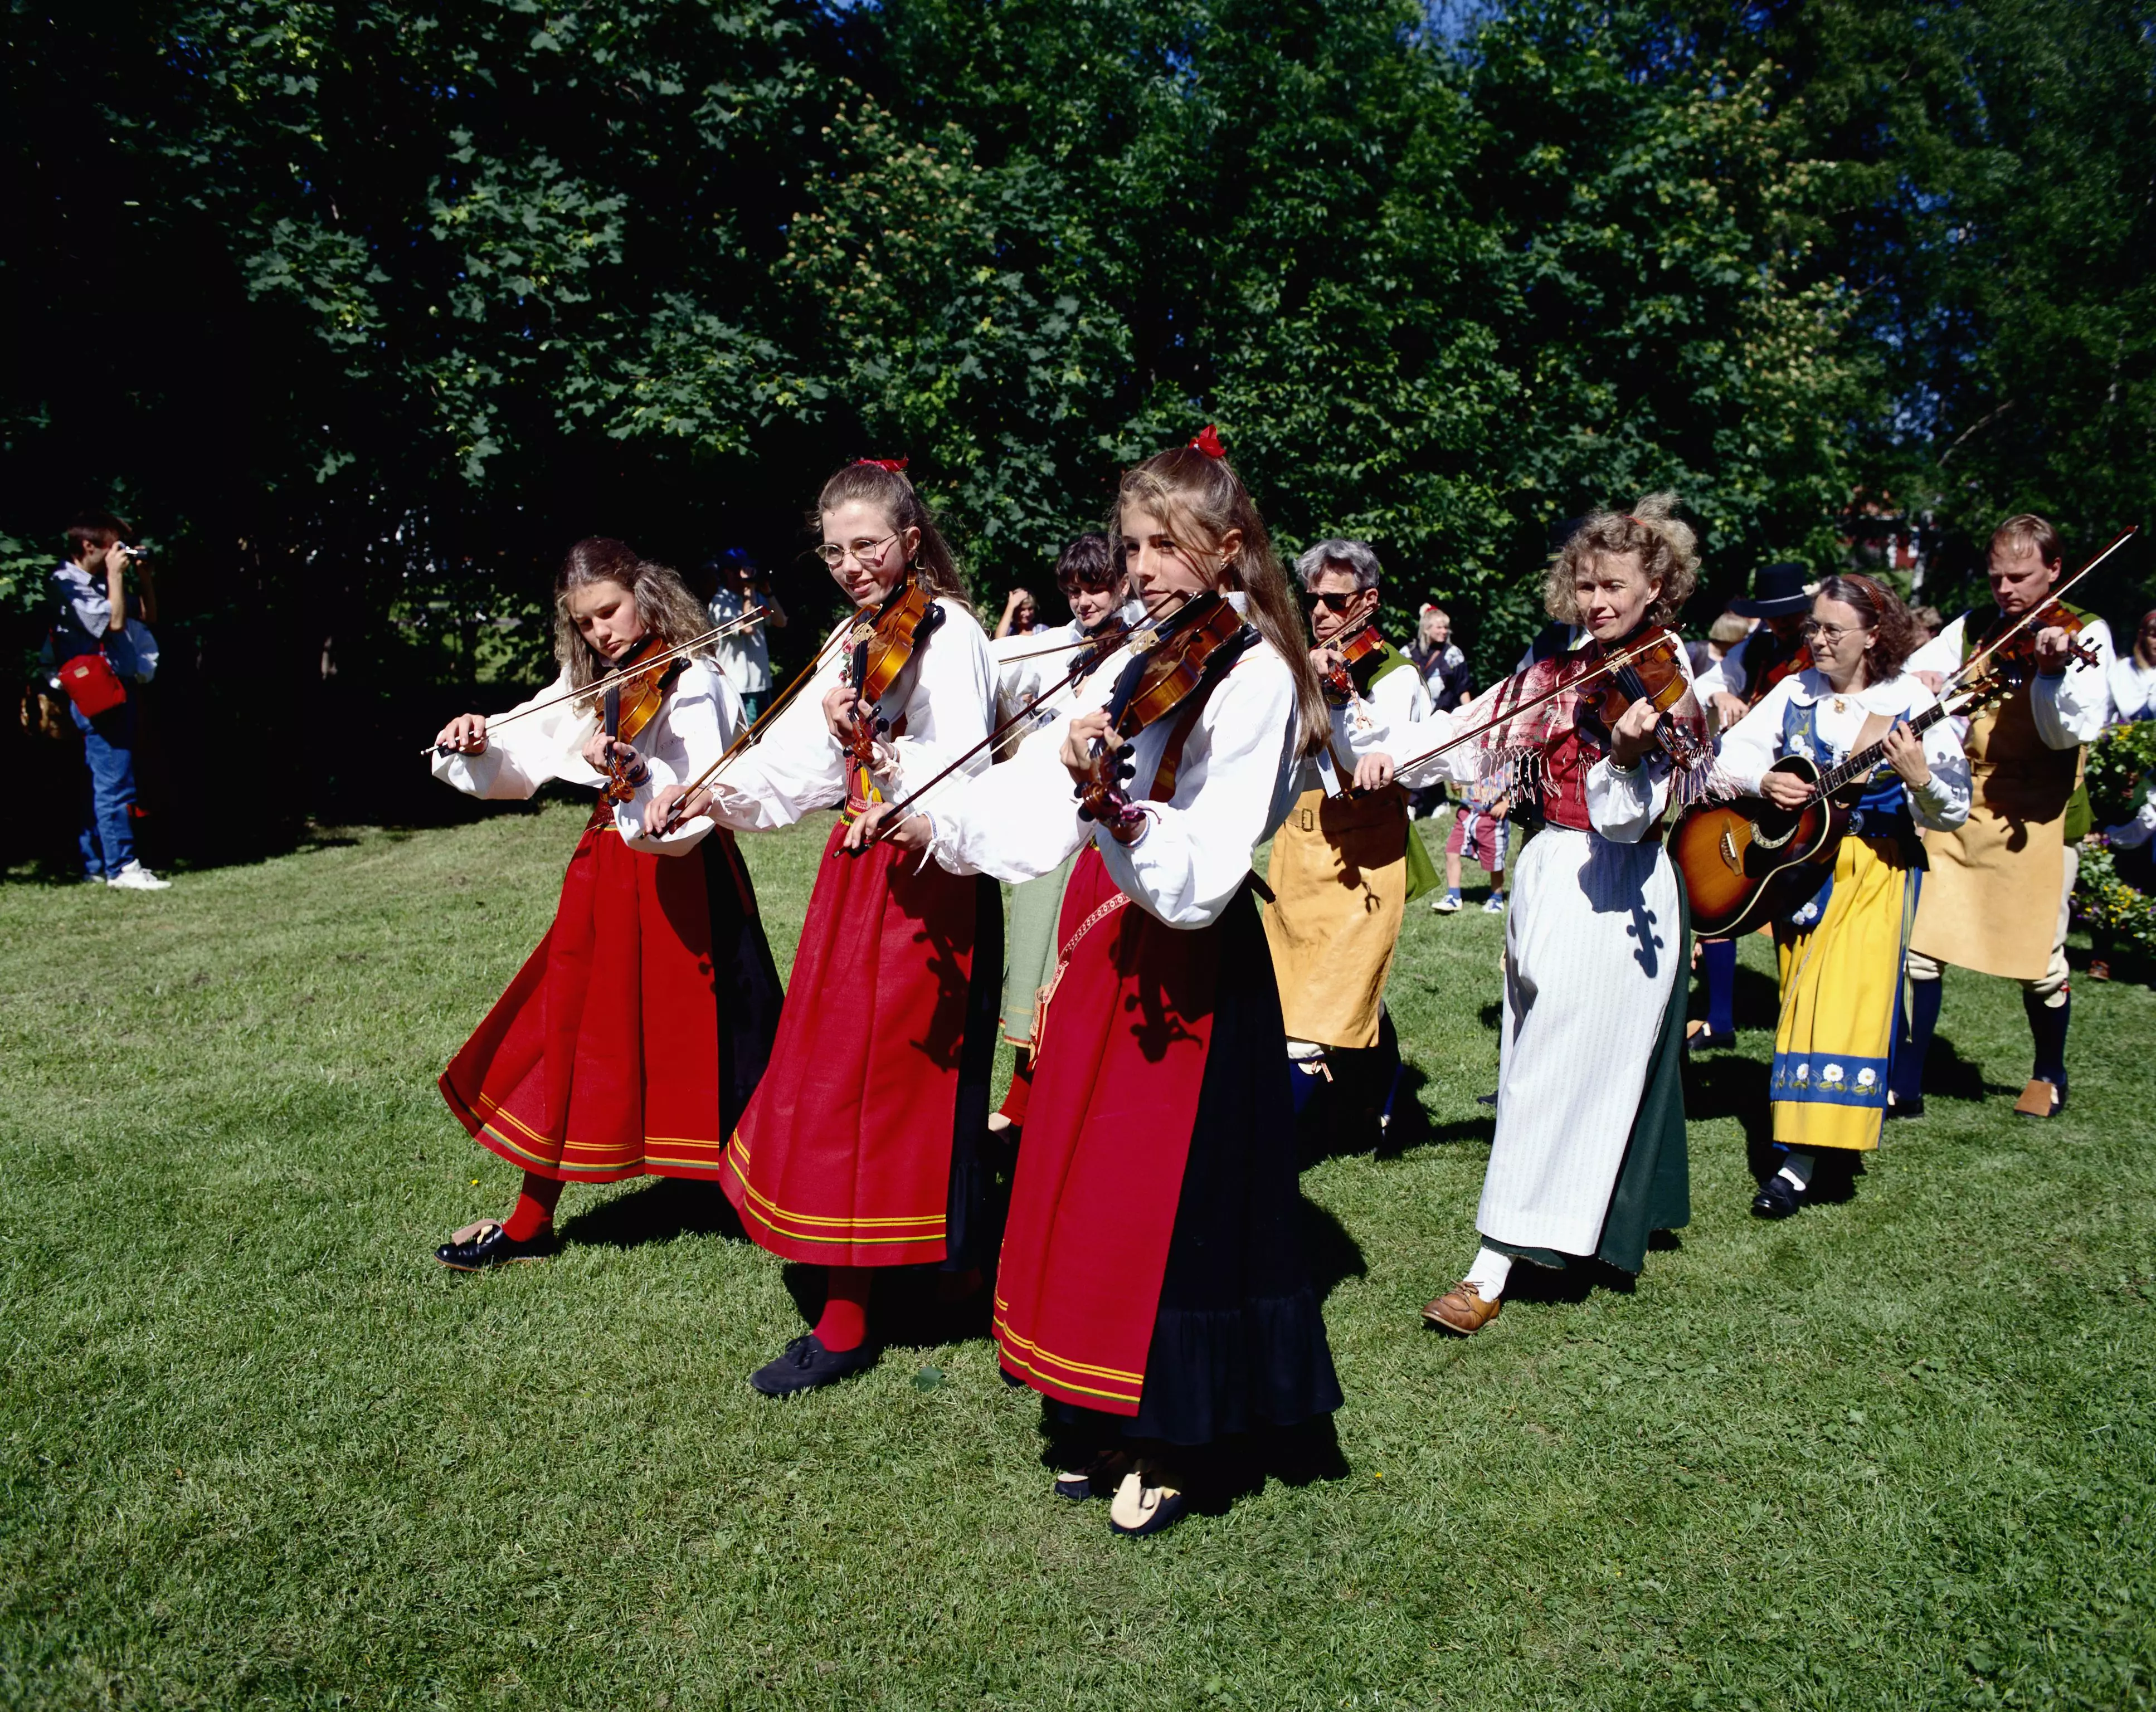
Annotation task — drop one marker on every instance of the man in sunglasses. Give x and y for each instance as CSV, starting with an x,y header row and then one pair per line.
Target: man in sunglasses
x,y
1346,862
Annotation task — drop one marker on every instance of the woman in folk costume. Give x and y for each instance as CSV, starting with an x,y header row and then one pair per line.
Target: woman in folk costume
x,y
632,1038
1588,1158
1841,952
1153,1286
1090,575
863,1147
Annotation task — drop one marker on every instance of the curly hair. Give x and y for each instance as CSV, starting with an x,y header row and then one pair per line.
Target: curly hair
x,y
662,601
890,492
1668,551
1201,499
1894,635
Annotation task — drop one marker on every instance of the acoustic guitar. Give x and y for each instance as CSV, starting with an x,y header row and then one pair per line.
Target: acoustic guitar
x,y
1746,861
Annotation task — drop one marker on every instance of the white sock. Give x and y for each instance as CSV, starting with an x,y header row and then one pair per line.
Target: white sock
x,y
1487,1275
1797,1169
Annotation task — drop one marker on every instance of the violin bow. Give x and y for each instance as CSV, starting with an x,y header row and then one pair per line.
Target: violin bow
x,y
2026,618
889,824
1613,662
753,734
599,686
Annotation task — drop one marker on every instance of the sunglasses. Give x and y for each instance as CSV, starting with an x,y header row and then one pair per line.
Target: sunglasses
x,y
1332,602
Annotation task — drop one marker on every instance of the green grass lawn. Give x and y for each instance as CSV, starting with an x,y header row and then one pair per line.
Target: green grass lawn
x,y
259,1450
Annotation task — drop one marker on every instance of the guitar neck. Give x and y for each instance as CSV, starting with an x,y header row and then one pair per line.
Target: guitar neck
x,y
1860,765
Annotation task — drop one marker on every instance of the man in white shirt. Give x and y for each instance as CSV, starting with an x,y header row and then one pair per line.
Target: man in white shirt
x,y
1998,895
1344,864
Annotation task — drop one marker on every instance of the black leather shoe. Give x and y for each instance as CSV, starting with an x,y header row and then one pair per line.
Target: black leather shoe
x,y
1096,1478
1778,1198
477,1247
806,1364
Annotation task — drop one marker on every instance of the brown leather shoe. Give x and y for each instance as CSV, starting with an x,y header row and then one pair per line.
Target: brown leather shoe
x,y
1461,1310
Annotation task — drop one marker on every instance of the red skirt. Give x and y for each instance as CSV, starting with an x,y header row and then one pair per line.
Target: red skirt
x,y
859,1149
632,1038
1153,1265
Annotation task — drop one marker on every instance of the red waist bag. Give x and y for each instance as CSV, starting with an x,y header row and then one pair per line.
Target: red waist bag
x,y
91,684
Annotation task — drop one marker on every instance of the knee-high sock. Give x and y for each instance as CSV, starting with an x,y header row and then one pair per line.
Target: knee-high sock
x,y
2048,1024
1718,960
846,1320
1487,1276
534,1208
1908,1080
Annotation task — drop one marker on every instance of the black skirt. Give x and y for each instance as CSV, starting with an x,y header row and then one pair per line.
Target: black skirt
x,y
1239,1340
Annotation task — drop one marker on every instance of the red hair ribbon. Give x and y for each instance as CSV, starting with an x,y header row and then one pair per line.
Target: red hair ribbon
x,y
896,466
1208,441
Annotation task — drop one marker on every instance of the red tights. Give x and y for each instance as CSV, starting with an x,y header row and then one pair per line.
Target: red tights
x,y
846,1320
534,1208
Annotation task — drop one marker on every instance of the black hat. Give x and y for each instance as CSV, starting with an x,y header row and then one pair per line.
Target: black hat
x,y
1777,590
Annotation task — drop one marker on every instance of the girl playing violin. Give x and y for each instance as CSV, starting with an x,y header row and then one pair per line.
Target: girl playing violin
x,y
1151,1285
1588,1158
1842,951
864,1145
633,1037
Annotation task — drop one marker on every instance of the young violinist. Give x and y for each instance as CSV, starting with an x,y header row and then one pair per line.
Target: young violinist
x,y
2001,883
1840,952
864,1147
1089,573
1346,862
1588,1157
1151,1285
633,1037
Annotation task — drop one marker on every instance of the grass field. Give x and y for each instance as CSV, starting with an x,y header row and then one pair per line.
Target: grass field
x,y
259,1450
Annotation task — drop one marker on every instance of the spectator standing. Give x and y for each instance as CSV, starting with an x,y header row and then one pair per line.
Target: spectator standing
x,y
1479,828
744,659
98,645
1437,658
2134,676
1729,630
1021,615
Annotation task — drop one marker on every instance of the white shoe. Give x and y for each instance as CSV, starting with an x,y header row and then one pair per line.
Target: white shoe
x,y
1494,905
135,877
1445,904
1145,1503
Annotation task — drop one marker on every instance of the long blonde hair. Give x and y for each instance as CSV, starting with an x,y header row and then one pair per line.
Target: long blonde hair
x,y
662,601
1203,500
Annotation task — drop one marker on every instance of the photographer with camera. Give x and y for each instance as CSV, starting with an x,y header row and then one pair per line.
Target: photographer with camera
x,y
97,645
744,657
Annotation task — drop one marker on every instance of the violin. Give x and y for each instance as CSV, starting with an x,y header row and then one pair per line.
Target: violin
x,y
628,704
1654,673
1174,660
2017,651
1338,679
882,645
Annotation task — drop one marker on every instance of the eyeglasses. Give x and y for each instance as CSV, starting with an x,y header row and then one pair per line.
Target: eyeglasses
x,y
1831,633
1332,602
833,555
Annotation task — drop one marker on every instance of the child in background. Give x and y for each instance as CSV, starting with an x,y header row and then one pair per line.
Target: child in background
x,y
1479,825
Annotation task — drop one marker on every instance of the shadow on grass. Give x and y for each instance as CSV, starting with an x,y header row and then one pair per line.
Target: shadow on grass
x,y
1342,1123
657,1211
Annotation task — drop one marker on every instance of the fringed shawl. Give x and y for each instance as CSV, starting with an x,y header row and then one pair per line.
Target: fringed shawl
x,y
1547,750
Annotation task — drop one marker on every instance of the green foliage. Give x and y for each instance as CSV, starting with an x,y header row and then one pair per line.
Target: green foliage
x,y
2118,767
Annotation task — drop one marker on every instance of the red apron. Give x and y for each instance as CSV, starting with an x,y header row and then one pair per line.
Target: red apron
x,y
844,1155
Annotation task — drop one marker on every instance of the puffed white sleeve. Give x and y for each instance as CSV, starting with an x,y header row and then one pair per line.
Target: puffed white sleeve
x,y
522,756
1189,861
1748,749
2070,709
1942,653
1015,822
703,714
1462,765
948,707
2133,835
1942,804
796,765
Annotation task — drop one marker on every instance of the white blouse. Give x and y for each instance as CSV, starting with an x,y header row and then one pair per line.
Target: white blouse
x,y
945,696
1756,742
1232,787
699,716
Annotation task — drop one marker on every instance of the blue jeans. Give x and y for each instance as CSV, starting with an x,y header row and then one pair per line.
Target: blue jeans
x,y
108,833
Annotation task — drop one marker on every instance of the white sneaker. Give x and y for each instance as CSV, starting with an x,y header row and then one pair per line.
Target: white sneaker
x,y
1494,905
135,877
1446,903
